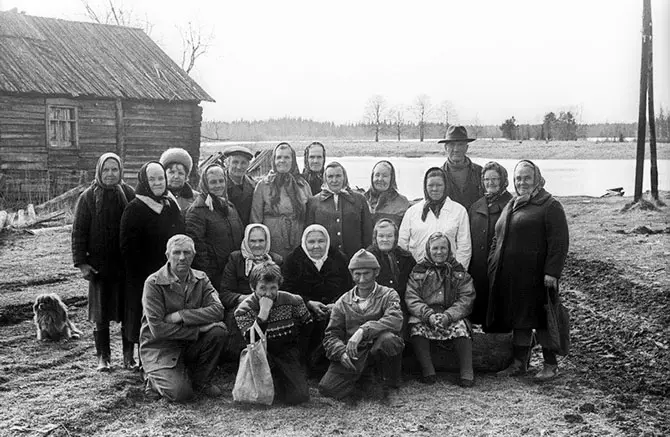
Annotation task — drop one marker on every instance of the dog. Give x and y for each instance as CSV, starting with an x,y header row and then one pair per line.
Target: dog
x,y
51,319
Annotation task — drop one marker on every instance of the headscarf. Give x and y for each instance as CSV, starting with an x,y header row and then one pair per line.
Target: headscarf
x,y
290,180
444,269
143,191
378,199
502,173
212,201
430,204
520,200
318,262
390,255
327,192
309,175
250,260
99,186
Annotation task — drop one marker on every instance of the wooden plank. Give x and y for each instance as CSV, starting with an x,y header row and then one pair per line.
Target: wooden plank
x,y
25,142
23,157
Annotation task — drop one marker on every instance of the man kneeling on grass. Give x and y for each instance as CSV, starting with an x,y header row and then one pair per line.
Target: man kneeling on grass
x,y
287,324
182,331
363,333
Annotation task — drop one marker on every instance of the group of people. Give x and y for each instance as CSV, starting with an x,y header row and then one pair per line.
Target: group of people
x,y
338,280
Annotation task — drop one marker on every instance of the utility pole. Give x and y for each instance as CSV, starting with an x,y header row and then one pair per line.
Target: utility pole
x,y
652,117
641,121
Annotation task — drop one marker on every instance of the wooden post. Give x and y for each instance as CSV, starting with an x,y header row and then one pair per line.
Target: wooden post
x,y
641,122
652,117
120,131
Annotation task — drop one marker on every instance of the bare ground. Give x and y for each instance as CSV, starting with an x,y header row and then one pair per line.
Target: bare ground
x,y
615,382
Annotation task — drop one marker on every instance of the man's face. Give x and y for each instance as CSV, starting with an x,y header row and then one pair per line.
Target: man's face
x,y
238,165
180,257
315,158
364,278
456,150
267,289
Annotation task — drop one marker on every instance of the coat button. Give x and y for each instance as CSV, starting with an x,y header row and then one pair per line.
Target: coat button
x,y
338,220
339,233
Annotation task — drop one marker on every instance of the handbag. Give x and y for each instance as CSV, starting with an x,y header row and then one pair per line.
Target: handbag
x,y
558,324
253,383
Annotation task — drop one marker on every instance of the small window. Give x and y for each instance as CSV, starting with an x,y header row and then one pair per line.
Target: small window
x,y
62,126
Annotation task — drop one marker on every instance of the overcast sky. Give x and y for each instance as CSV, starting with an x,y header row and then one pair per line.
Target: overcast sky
x,y
491,59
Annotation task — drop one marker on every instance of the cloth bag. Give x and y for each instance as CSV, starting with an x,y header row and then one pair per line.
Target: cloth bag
x,y
558,324
253,383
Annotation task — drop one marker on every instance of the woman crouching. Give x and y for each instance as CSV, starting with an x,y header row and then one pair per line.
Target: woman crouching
x,y
286,322
439,297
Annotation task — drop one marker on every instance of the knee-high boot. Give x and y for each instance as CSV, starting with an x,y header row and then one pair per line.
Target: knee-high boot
x,y
128,352
102,349
421,347
463,347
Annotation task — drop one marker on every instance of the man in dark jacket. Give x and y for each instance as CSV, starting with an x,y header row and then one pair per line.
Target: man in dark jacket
x,y
464,177
239,186
182,330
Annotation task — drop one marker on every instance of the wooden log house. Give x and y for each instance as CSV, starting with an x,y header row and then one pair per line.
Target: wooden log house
x,y
71,91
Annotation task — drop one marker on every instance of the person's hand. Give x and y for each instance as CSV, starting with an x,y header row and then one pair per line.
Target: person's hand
x,y
433,320
352,345
87,271
446,321
173,318
330,307
317,308
550,282
265,304
346,362
208,326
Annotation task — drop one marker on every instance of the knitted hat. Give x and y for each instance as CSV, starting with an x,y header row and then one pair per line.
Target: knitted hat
x,y
177,155
363,260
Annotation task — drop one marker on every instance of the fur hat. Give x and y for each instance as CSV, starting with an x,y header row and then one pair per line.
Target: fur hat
x,y
179,156
363,260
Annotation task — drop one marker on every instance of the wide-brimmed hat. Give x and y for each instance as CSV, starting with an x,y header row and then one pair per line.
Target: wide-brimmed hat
x,y
456,133
238,150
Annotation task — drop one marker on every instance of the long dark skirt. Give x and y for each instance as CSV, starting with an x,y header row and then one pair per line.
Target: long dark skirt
x,y
105,300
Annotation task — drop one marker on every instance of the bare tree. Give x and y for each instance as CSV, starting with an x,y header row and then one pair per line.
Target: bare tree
x,y
374,114
114,12
476,126
194,43
447,115
422,109
398,120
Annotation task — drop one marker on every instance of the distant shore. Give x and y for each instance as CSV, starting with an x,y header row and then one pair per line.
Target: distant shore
x,y
493,149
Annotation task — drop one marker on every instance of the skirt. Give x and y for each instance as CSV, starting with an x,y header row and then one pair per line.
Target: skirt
x,y
105,300
454,330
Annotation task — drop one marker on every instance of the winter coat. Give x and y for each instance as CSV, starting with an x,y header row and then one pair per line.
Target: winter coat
x,y
429,292
530,242
241,196
394,278
144,236
483,218
215,237
349,225
473,187
185,197
394,209
285,225
234,283
453,222
326,285
162,343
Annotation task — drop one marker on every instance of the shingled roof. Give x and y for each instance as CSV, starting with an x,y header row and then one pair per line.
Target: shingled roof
x,y
48,56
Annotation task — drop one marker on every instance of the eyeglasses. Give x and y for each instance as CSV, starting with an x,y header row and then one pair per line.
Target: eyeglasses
x,y
491,179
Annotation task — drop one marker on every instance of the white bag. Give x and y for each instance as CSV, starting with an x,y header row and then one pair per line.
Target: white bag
x,y
253,383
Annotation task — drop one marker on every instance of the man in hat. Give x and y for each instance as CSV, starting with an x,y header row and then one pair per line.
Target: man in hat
x,y
363,332
240,187
315,159
464,177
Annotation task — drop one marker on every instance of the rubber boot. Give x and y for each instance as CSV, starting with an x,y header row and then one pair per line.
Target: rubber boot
x,y
463,348
520,364
390,369
128,352
102,350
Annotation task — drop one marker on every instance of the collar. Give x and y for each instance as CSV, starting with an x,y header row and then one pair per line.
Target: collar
x,y
165,277
356,298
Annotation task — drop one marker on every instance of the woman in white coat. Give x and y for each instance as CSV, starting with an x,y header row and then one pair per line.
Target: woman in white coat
x,y
436,213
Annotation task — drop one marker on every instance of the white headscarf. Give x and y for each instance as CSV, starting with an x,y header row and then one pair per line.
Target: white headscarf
x,y
249,258
318,262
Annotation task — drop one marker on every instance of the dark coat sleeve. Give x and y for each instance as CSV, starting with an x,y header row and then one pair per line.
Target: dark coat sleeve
x,y
196,228
229,293
131,237
81,228
366,222
558,240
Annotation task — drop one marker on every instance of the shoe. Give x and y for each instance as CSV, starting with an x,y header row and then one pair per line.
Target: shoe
x,y
211,390
429,380
129,362
515,369
548,372
150,393
466,383
104,364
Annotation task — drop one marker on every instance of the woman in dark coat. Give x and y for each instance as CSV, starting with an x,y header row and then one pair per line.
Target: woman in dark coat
x,y
395,263
484,215
319,273
528,255
383,196
95,251
343,212
213,223
147,224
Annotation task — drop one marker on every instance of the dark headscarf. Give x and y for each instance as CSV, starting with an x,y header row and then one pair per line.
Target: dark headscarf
x,y
520,200
99,187
448,265
430,204
143,187
378,199
290,180
313,177
504,182
214,202
390,255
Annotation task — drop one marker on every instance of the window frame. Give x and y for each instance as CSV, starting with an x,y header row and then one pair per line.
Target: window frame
x,y
66,104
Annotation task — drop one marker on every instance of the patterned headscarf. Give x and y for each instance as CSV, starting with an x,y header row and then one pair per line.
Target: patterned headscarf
x,y
504,182
99,186
444,268
212,201
318,262
250,260
430,204
520,200
290,180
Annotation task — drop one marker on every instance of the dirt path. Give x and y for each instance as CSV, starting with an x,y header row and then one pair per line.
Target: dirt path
x,y
616,381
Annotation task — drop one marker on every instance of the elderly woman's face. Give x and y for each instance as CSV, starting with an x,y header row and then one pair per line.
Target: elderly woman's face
x,y
385,238
381,177
435,187
524,180
315,158
439,250
316,244
283,160
111,173
492,182
216,181
156,178
176,174
257,241
335,179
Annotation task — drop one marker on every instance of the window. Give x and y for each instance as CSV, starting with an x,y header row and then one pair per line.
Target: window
x,y
62,126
